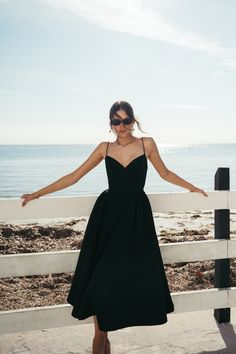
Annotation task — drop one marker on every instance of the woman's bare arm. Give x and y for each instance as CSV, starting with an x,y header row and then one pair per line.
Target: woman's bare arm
x,y
92,161
164,172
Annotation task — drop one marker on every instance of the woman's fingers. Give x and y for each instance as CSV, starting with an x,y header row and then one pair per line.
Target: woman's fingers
x,y
204,193
26,198
195,189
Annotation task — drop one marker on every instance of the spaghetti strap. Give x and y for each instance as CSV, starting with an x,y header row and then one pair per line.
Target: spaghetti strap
x,y
107,147
143,146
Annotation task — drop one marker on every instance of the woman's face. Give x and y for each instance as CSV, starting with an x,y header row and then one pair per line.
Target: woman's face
x,y
122,130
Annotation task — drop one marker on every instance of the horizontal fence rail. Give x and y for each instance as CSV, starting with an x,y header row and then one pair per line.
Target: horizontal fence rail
x,y
60,315
39,263
62,207
65,261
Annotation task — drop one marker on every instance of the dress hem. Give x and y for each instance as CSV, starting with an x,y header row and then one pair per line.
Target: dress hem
x,y
128,324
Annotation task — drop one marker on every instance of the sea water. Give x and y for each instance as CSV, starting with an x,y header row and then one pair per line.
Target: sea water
x,y
27,168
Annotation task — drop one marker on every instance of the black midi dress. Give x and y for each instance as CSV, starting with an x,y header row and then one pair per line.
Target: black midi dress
x,y
120,276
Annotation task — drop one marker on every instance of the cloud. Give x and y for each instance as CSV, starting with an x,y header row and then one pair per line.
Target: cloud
x,y
134,17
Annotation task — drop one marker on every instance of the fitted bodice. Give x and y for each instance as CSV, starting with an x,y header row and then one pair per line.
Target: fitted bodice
x,y
130,178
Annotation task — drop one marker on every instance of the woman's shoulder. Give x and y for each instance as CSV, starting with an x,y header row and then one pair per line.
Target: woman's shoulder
x,y
149,144
102,147
148,140
102,144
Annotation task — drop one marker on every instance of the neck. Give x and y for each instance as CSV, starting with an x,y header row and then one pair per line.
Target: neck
x,y
125,141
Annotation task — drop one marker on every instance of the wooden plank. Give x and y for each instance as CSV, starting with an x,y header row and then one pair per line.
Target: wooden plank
x,y
46,207
194,251
185,201
60,315
231,200
38,263
65,261
62,207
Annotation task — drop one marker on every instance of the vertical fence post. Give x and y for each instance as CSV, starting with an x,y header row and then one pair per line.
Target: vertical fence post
x,y
222,231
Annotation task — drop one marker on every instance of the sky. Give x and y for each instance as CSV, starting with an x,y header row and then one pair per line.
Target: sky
x,y
63,64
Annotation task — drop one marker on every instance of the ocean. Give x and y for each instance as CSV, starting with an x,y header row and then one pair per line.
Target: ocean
x,y
27,168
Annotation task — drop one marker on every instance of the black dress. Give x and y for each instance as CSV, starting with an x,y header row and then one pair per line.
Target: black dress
x,y
119,276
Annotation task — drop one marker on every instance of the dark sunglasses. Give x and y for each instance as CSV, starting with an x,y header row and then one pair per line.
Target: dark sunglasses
x,y
126,121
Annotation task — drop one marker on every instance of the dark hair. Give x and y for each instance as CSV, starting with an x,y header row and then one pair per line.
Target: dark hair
x,y
127,108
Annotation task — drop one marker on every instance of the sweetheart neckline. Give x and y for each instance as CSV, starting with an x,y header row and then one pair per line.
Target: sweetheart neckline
x,y
124,167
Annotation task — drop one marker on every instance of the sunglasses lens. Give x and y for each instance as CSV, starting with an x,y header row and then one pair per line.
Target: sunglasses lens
x,y
125,121
115,122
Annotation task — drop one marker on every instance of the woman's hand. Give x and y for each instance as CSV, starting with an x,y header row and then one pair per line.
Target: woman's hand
x,y
195,189
27,197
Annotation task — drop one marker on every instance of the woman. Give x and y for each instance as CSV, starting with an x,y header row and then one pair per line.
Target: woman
x,y
119,277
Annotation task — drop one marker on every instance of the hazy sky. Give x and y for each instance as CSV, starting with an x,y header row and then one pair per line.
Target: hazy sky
x,y
63,63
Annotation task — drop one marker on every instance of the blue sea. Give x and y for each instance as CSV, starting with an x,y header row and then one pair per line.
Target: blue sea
x,y
27,168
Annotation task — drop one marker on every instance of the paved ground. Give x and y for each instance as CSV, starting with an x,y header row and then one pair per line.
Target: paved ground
x,y
184,333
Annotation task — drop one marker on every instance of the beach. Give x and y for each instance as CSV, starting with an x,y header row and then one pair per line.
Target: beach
x,y
67,234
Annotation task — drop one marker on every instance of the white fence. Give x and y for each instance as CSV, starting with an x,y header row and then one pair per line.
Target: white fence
x,y
65,261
